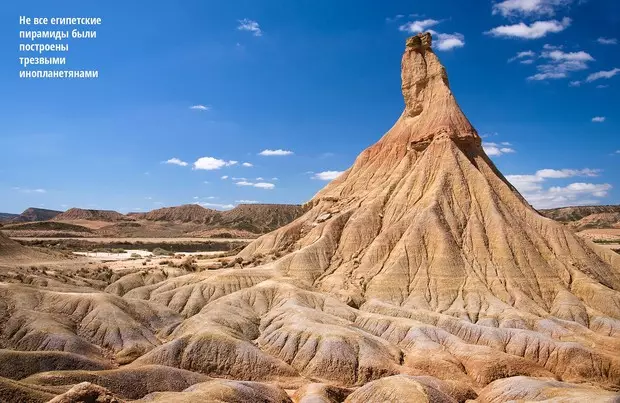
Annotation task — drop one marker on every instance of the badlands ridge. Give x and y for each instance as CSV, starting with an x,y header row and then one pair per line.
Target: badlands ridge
x,y
419,275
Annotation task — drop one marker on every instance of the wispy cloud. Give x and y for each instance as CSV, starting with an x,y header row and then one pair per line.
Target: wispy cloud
x,y
414,27
532,188
607,41
260,185
449,41
175,161
210,163
26,190
497,149
247,201
250,26
560,64
523,55
278,152
327,175
603,74
247,164
598,119
535,30
224,177
200,107
395,18
509,8
215,205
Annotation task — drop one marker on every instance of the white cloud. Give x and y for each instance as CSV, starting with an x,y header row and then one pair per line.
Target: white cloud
x,y
327,175
278,152
574,84
200,108
210,163
260,185
215,205
536,30
523,55
395,18
247,164
23,190
567,173
224,177
264,185
414,27
607,41
558,55
598,119
560,64
509,8
238,179
602,86
260,178
250,26
450,41
546,76
247,201
495,149
274,179
176,161
603,74
579,193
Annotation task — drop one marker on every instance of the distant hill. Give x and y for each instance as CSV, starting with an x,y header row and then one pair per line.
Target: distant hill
x,y
181,214
33,214
243,221
4,217
259,218
91,215
253,218
586,217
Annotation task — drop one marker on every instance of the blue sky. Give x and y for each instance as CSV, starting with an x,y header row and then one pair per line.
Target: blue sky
x,y
316,81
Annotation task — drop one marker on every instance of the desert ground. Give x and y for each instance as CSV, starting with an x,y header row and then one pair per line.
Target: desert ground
x,y
418,275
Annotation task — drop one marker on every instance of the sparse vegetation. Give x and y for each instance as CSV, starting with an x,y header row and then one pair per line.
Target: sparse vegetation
x,y
161,252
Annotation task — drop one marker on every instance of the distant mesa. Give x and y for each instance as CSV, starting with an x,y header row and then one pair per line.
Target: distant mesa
x,y
33,214
90,215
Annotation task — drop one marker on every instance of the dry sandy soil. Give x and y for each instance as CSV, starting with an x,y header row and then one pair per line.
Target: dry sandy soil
x,y
419,275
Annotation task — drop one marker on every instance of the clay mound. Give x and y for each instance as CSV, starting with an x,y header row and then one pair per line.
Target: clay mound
x,y
182,214
127,383
13,252
223,391
33,214
21,364
76,214
12,391
400,389
86,392
522,388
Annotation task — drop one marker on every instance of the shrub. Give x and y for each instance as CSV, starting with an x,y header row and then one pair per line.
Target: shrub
x,y
189,264
161,252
